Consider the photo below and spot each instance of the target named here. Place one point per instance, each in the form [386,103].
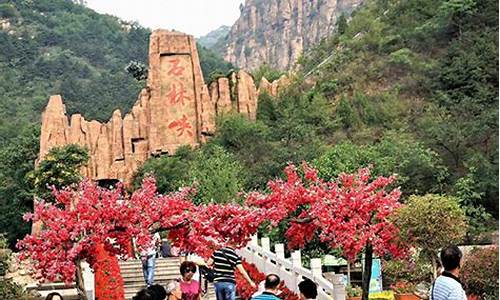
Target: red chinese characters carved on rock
[177,96]
[182,126]
[176,70]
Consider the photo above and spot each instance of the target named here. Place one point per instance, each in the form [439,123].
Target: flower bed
[246,291]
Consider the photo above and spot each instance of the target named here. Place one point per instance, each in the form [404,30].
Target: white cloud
[196,17]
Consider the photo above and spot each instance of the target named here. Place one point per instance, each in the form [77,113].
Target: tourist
[190,288]
[307,289]
[148,259]
[447,286]
[158,292]
[225,261]
[271,286]
[54,296]
[144,294]
[174,291]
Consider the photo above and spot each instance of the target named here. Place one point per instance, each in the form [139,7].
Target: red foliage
[108,280]
[245,291]
[90,216]
[347,214]
[479,272]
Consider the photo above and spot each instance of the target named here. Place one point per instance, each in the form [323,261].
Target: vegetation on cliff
[57,47]
[410,88]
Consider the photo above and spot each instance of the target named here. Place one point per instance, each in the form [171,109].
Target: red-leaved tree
[89,216]
[350,214]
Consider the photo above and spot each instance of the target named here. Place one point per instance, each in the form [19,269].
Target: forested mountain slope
[406,87]
[58,47]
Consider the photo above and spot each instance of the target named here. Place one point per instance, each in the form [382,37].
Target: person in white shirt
[148,259]
[448,286]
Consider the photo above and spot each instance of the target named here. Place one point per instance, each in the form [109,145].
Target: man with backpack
[224,262]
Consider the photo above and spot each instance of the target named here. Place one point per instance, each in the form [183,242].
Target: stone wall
[176,108]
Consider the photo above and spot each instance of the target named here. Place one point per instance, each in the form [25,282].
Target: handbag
[209,273]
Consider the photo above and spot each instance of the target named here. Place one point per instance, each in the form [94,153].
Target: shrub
[414,269]
[480,273]
[431,222]
[354,291]
[10,290]
[4,254]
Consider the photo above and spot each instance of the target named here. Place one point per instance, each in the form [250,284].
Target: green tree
[250,142]
[468,191]
[431,222]
[171,172]
[419,170]
[212,65]
[216,174]
[17,160]
[59,168]
[266,71]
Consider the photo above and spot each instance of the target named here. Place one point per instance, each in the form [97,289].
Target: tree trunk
[367,271]
[79,281]
[348,272]
[434,267]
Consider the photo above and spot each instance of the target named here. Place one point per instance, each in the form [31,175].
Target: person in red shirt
[190,288]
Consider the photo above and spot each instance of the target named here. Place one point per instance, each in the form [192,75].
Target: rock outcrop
[176,108]
[276,32]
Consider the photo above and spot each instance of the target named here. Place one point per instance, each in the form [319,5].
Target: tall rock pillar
[176,83]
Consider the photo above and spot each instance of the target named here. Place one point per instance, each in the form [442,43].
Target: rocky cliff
[176,108]
[278,31]
[210,39]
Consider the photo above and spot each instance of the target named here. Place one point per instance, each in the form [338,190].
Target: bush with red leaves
[108,280]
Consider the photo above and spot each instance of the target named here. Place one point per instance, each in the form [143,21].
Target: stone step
[134,268]
[139,272]
[138,264]
[140,280]
[174,260]
[131,276]
[157,270]
[166,269]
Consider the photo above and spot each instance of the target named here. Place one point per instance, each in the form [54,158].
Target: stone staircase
[166,269]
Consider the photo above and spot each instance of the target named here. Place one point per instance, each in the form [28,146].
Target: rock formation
[176,108]
[278,31]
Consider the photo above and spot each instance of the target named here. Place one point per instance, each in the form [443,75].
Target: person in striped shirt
[225,261]
[448,286]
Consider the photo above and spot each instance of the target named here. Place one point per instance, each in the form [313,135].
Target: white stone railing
[290,270]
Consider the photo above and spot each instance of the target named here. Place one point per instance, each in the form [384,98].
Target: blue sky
[196,17]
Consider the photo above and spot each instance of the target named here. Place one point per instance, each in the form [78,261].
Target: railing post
[266,246]
[316,267]
[296,263]
[254,240]
[296,259]
[279,249]
[339,291]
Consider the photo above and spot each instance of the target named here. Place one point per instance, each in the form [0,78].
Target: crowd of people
[219,269]
[224,262]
